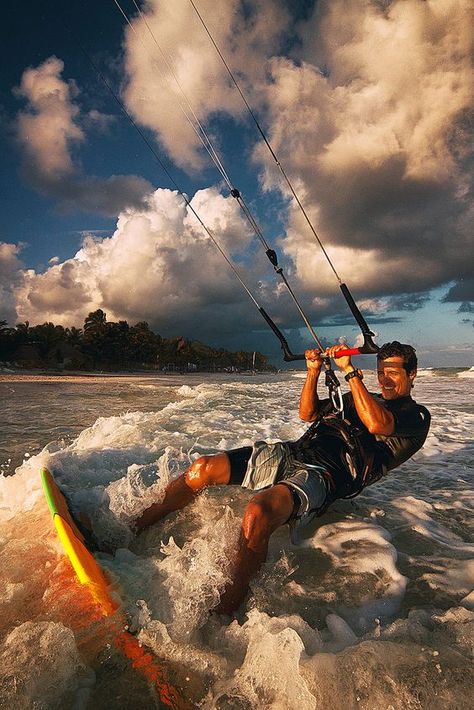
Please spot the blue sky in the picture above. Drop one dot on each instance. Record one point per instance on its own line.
(366, 105)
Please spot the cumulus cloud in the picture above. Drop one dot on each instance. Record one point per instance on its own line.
(178, 66)
(158, 266)
(369, 113)
(99, 120)
(49, 130)
(11, 276)
(378, 142)
(368, 105)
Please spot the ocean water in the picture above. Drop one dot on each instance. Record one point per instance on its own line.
(375, 609)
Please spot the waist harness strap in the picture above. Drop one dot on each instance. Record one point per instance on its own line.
(358, 460)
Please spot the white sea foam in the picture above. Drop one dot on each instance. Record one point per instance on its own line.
(362, 551)
(384, 581)
(41, 678)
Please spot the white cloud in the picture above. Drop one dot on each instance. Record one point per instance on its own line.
(377, 141)
(369, 116)
(153, 95)
(157, 266)
(399, 76)
(11, 275)
(101, 121)
(48, 131)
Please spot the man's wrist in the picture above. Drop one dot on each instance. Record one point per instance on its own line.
(354, 374)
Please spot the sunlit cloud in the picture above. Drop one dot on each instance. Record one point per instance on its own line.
(49, 132)
(366, 104)
(378, 142)
(171, 65)
(369, 113)
(11, 275)
(158, 266)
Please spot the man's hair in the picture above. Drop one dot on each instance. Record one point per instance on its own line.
(407, 352)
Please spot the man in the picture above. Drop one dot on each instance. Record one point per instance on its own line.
(336, 458)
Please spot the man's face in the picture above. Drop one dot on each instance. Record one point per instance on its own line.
(393, 379)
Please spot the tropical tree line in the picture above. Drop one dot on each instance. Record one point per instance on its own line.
(106, 345)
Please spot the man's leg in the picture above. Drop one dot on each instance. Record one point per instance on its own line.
(266, 511)
(205, 471)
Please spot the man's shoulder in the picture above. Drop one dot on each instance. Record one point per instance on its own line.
(408, 414)
(400, 403)
(422, 409)
(410, 417)
(407, 404)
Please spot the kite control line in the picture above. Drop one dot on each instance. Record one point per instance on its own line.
(369, 346)
(289, 356)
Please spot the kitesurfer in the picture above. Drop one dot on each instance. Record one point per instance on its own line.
(336, 458)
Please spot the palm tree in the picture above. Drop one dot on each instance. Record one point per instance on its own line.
(23, 331)
(95, 323)
(74, 336)
(95, 330)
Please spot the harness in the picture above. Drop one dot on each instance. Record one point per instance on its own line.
(358, 462)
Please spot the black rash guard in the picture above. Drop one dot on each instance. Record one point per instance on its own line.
(379, 454)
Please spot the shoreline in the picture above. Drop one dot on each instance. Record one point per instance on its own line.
(78, 376)
(43, 375)
(74, 375)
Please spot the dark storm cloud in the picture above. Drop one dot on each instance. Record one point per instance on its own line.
(11, 273)
(381, 141)
(461, 291)
(348, 320)
(106, 196)
(377, 144)
(408, 301)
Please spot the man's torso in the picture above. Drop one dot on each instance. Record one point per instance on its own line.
(378, 454)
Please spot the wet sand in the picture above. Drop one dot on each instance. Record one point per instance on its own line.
(76, 376)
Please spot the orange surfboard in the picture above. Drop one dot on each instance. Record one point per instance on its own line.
(90, 574)
(83, 562)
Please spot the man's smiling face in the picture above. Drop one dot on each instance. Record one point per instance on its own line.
(394, 380)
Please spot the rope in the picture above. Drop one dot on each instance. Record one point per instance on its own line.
(267, 142)
(168, 174)
(207, 143)
(270, 253)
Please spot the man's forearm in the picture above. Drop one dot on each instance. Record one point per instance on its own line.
(309, 400)
(376, 418)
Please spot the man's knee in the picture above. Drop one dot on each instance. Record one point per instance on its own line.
(208, 471)
(266, 511)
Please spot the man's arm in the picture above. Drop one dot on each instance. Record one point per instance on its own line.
(309, 400)
(376, 418)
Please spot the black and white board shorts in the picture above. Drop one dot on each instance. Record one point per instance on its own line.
(263, 465)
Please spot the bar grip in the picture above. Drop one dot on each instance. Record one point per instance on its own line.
(349, 352)
(341, 353)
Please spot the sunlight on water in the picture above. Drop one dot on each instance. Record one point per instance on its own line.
(374, 610)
